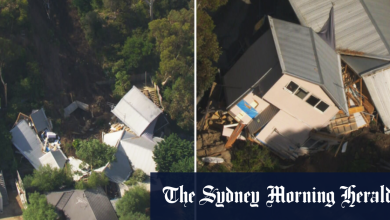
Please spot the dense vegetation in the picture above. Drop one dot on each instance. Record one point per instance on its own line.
(174, 155)
(19, 71)
(130, 38)
(46, 179)
(94, 180)
(95, 153)
(253, 158)
(38, 208)
(134, 203)
(138, 176)
(208, 50)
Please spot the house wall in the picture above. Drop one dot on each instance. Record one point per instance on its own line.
(291, 128)
(299, 108)
(235, 110)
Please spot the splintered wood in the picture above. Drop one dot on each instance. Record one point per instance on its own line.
(343, 124)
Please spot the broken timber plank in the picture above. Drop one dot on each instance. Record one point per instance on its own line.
(233, 137)
(338, 149)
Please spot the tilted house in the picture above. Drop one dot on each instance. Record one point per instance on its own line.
(137, 112)
(362, 34)
(133, 152)
(25, 138)
(90, 204)
(284, 86)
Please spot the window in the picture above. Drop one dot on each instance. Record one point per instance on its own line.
(322, 106)
(313, 101)
(301, 93)
(292, 87)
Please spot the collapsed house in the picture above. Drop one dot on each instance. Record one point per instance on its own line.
(362, 37)
(32, 137)
(3, 193)
(287, 84)
(138, 113)
(90, 204)
(133, 152)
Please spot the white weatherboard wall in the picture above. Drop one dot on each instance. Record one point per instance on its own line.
(299, 108)
(378, 85)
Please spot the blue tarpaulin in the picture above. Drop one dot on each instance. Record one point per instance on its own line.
(249, 110)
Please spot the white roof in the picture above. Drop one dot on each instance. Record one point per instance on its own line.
(75, 166)
(136, 111)
(361, 27)
(56, 159)
(138, 150)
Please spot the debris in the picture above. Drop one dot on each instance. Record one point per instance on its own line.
(212, 160)
(344, 148)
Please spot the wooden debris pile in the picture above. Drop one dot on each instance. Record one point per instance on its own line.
(210, 144)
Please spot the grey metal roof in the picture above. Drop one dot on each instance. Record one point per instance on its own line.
(361, 26)
(40, 120)
(136, 111)
(91, 204)
(27, 142)
(55, 159)
(120, 170)
(139, 150)
(3, 190)
(259, 60)
(262, 119)
(305, 55)
(361, 65)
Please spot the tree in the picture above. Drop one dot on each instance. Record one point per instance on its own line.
(208, 50)
(122, 83)
(136, 215)
(7, 159)
(8, 52)
(94, 180)
(174, 41)
(137, 177)
(38, 208)
(93, 27)
(135, 49)
(172, 150)
(95, 153)
(184, 165)
(136, 200)
(83, 6)
(252, 158)
(46, 179)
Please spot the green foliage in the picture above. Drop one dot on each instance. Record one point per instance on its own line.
(13, 13)
(174, 41)
(135, 49)
(135, 215)
(38, 208)
(83, 6)
(122, 83)
(252, 158)
(97, 4)
(94, 180)
(136, 200)
(172, 150)
(46, 179)
(93, 28)
(7, 160)
(76, 143)
(138, 176)
(183, 165)
(9, 51)
(207, 45)
(95, 153)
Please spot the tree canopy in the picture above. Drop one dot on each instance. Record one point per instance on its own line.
(174, 38)
(95, 153)
(38, 208)
(133, 203)
(252, 158)
(208, 50)
(46, 179)
(94, 180)
(172, 152)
